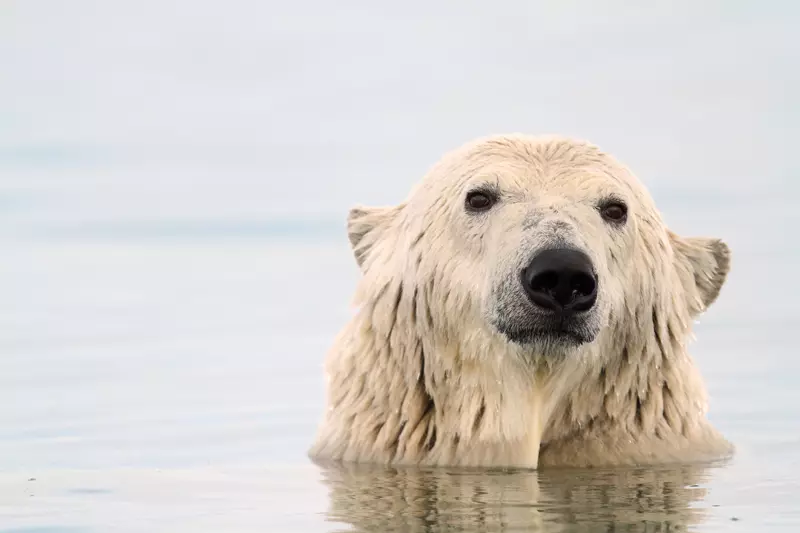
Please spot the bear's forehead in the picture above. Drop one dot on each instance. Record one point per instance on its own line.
(558, 164)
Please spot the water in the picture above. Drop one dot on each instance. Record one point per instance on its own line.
(174, 179)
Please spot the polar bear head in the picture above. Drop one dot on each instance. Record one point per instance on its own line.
(543, 244)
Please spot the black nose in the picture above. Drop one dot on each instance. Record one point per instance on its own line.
(561, 280)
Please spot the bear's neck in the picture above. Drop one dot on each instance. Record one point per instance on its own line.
(402, 391)
(641, 383)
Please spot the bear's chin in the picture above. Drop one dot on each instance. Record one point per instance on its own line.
(548, 339)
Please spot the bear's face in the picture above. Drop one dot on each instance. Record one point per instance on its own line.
(553, 245)
(541, 241)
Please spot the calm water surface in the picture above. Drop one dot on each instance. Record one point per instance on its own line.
(174, 179)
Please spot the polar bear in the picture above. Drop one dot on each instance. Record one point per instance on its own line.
(525, 306)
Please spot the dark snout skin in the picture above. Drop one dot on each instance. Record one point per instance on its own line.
(560, 281)
(551, 304)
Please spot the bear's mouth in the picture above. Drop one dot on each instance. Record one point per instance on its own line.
(564, 333)
(548, 336)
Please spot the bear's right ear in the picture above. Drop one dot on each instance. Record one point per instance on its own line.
(366, 226)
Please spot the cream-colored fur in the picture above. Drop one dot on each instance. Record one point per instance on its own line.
(420, 375)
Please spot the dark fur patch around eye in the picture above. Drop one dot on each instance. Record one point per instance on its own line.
(614, 211)
(481, 199)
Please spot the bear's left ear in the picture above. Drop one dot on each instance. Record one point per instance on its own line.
(706, 263)
(366, 226)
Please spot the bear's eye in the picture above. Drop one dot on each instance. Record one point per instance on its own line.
(480, 200)
(614, 211)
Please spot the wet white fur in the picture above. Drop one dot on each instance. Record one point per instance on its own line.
(420, 376)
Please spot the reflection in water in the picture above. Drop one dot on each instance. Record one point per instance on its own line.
(381, 499)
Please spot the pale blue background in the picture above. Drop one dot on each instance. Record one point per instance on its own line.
(174, 179)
